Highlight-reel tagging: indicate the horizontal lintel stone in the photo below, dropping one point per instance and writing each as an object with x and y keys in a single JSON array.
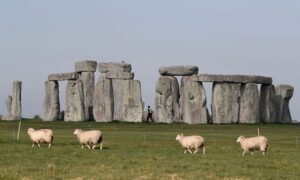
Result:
[
  {"x": 63, "y": 76},
  {"x": 86, "y": 66},
  {"x": 114, "y": 67},
  {"x": 233, "y": 78},
  {"x": 119, "y": 75},
  {"x": 178, "y": 70}
]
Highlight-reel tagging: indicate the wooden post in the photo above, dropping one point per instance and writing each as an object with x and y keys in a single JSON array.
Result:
[{"x": 19, "y": 129}]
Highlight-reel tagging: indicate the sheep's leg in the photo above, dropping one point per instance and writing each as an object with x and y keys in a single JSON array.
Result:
[
  {"x": 185, "y": 151},
  {"x": 244, "y": 153},
  {"x": 82, "y": 147},
  {"x": 88, "y": 146},
  {"x": 39, "y": 145},
  {"x": 190, "y": 151},
  {"x": 49, "y": 145},
  {"x": 196, "y": 150},
  {"x": 101, "y": 146},
  {"x": 203, "y": 150},
  {"x": 264, "y": 152},
  {"x": 32, "y": 145},
  {"x": 252, "y": 153},
  {"x": 94, "y": 147}
]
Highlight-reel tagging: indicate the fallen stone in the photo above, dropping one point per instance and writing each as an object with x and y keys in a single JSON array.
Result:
[
  {"x": 63, "y": 77},
  {"x": 103, "y": 100},
  {"x": 88, "y": 80},
  {"x": 167, "y": 100},
  {"x": 75, "y": 110},
  {"x": 225, "y": 103},
  {"x": 114, "y": 67},
  {"x": 86, "y": 66},
  {"x": 268, "y": 104},
  {"x": 193, "y": 102},
  {"x": 178, "y": 70},
  {"x": 283, "y": 94},
  {"x": 51, "y": 107},
  {"x": 240, "y": 79},
  {"x": 249, "y": 104},
  {"x": 119, "y": 75}
]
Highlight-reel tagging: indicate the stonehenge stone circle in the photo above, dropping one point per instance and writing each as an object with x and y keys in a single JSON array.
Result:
[
  {"x": 249, "y": 103},
  {"x": 103, "y": 100},
  {"x": 63, "y": 77},
  {"x": 240, "y": 79},
  {"x": 86, "y": 66},
  {"x": 51, "y": 107},
  {"x": 167, "y": 100},
  {"x": 225, "y": 103},
  {"x": 284, "y": 93},
  {"x": 178, "y": 70},
  {"x": 75, "y": 110},
  {"x": 268, "y": 104},
  {"x": 193, "y": 102}
]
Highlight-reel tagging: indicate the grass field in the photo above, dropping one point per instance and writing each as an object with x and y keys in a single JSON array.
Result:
[{"x": 148, "y": 151}]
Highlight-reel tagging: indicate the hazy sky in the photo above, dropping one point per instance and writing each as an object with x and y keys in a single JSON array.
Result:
[{"x": 37, "y": 38}]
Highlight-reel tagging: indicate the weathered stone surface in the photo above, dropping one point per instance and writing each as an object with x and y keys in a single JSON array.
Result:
[
  {"x": 284, "y": 93},
  {"x": 62, "y": 115},
  {"x": 119, "y": 75},
  {"x": 114, "y": 67},
  {"x": 51, "y": 107},
  {"x": 86, "y": 66},
  {"x": 75, "y": 110},
  {"x": 193, "y": 102},
  {"x": 103, "y": 100},
  {"x": 88, "y": 80},
  {"x": 8, "y": 103},
  {"x": 63, "y": 77},
  {"x": 16, "y": 106},
  {"x": 167, "y": 100},
  {"x": 268, "y": 104},
  {"x": 178, "y": 70},
  {"x": 249, "y": 103},
  {"x": 225, "y": 103},
  {"x": 233, "y": 79},
  {"x": 128, "y": 104}
]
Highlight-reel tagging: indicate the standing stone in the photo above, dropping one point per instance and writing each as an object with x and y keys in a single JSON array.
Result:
[
  {"x": 225, "y": 103},
  {"x": 16, "y": 107},
  {"x": 103, "y": 100},
  {"x": 268, "y": 104},
  {"x": 88, "y": 80},
  {"x": 128, "y": 104},
  {"x": 249, "y": 103},
  {"x": 51, "y": 107},
  {"x": 167, "y": 100},
  {"x": 8, "y": 103},
  {"x": 193, "y": 102},
  {"x": 284, "y": 93},
  {"x": 75, "y": 110}
]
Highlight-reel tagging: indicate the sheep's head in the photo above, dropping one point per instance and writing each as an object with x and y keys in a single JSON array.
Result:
[
  {"x": 77, "y": 131},
  {"x": 178, "y": 137},
  {"x": 241, "y": 138},
  {"x": 30, "y": 130}
]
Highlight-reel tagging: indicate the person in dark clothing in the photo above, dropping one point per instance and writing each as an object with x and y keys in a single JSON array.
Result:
[{"x": 149, "y": 116}]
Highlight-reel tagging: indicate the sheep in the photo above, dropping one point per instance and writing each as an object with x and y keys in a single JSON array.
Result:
[
  {"x": 40, "y": 136},
  {"x": 89, "y": 138},
  {"x": 253, "y": 143},
  {"x": 191, "y": 142}
]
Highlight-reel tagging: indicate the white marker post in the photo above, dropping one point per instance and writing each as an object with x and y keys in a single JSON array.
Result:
[{"x": 19, "y": 129}]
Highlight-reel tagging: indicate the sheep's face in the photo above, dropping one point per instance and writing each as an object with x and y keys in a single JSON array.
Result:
[
  {"x": 178, "y": 137},
  {"x": 77, "y": 131},
  {"x": 30, "y": 130},
  {"x": 241, "y": 138}
]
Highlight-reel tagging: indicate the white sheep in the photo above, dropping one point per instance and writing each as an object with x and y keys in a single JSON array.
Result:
[
  {"x": 89, "y": 138},
  {"x": 40, "y": 136},
  {"x": 253, "y": 143},
  {"x": 191, "y": 143}
]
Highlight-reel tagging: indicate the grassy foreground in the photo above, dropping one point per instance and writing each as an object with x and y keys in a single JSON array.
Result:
[{"x": 147, "y": 151}]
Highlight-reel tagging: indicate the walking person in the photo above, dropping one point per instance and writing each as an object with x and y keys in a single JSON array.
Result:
[{"x": 149, "y": 116}]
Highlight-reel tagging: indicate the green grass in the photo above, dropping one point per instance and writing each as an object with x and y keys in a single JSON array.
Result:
[{"x": 147, "y": 151}]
